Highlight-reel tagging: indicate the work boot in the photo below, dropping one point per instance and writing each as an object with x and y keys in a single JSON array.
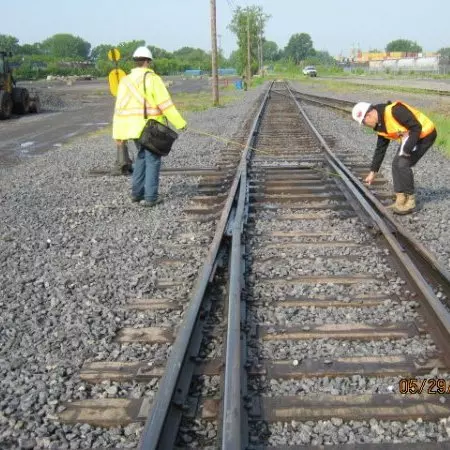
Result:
[
  {"x": 408, "y": 207},
  {"x": 151, "y": 203},
  {"x": 400, "y": 199}
]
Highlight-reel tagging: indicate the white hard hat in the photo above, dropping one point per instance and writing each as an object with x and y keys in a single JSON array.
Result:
[
  {"x": 142, "y": 52},
  {"x": 360, "y": 110}
]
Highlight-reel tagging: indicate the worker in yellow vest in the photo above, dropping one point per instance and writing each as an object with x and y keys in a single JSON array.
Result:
[
  {"x": 415, "y": 132},
  {"x": 129, "y": 121}
]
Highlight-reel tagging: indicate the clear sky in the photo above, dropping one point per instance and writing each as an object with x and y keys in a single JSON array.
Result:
[{"x": 334, "y": 25}]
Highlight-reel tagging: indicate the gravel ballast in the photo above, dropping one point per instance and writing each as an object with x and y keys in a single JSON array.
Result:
[{"x": 74, "y": 250}]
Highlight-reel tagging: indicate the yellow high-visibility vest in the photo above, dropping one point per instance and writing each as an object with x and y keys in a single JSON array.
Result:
[
  {"x": 395, "y": 130},
  {"x": 128, "y": 120}
]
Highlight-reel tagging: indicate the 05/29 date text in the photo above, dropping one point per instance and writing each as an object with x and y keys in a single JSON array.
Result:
[{"x": 425, "y": 385}]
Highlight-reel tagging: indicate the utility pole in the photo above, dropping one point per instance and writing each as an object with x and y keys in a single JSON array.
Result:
[
  {"x": 215, "y": 78},
  {"x": 249, "y": 71},
  {"x": 260, "y": 56},
  {"x": 219, "y": 50}
]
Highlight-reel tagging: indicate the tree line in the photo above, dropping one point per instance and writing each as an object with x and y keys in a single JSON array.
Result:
[{"x": 66, "y": 54}]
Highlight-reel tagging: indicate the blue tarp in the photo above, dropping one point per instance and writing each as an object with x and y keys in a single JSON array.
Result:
[
  {"x": 227, "y": 71},
  {"x": 198, "y": 72},
  {"x": 193, "y": 72}
]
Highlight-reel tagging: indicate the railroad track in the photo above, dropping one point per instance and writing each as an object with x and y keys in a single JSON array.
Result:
[
  {"x": 311, "y": 313},
  {"x": 335, "y": 103}
]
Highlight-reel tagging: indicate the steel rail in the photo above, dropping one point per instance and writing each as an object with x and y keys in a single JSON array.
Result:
[
  {"x": 323, "y": 101},
  {"x": 341, "y": 105},
  {"x": 232, "y": 436},
  {"x": 232, "y": 404},
  {"x": 377, "y": 213},
  {"x": 154, "y": 426}
]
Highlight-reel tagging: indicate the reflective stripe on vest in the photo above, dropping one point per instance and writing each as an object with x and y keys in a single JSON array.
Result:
[
  {"x": 123, "y": 107},
  {"x": 395, "y": 130},
  {"x": 129, "y": 120}
]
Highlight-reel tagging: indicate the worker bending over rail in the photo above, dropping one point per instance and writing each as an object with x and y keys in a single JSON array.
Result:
[{"x": 416, "y": 134}]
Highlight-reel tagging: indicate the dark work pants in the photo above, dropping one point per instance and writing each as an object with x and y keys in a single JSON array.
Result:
[{"x": 402, "y": 173}]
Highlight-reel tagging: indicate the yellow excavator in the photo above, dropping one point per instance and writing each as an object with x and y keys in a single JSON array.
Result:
[{"x": 14, "y": 99}]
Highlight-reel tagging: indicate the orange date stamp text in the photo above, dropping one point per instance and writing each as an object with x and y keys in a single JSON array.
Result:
[{"x": 424, "y": 386}]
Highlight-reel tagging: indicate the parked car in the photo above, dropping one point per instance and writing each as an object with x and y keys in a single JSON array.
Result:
[{"x": 310, "y": 70}]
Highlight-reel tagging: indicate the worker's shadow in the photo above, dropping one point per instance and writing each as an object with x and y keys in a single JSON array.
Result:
[{"x": 427, "y": 195}]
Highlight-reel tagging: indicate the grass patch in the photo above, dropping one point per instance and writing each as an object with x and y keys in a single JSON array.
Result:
[
  {"x": 202, "y": 101},
  {"x": 442, "y": 123}
]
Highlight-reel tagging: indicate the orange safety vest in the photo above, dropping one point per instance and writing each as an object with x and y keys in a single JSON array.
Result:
[
  {"x": 395, "y": 130},
  {"x": 128, "y": 120}
]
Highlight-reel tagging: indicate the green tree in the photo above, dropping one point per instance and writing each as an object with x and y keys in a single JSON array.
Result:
[
  {"x": 169, "y": 66},
  {"x": 444, "y": 52},
  {"x": 159, "y": 53},
  {"x": 299, "y": 47},
  {"x": 66, "y": 46},
  {"x": 8, "y": 43},
  {"x": 254, "y": 19},
  {"x": 234, "y": 58},
  {"x": 193, "y": 58},
  {"x": 271, "y": 52},
  {"x": 403, "y": 45},
  {"x": 188, "y": 53},
  {"x": 100, "y": 53},
  {"x": 127, "y": 49},
  {"x": 322, "y": 58},
  {"x": 30, "y": 49}
]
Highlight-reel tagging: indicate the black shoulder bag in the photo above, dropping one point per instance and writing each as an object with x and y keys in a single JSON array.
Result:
[{"x": 156, "y": 137}]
